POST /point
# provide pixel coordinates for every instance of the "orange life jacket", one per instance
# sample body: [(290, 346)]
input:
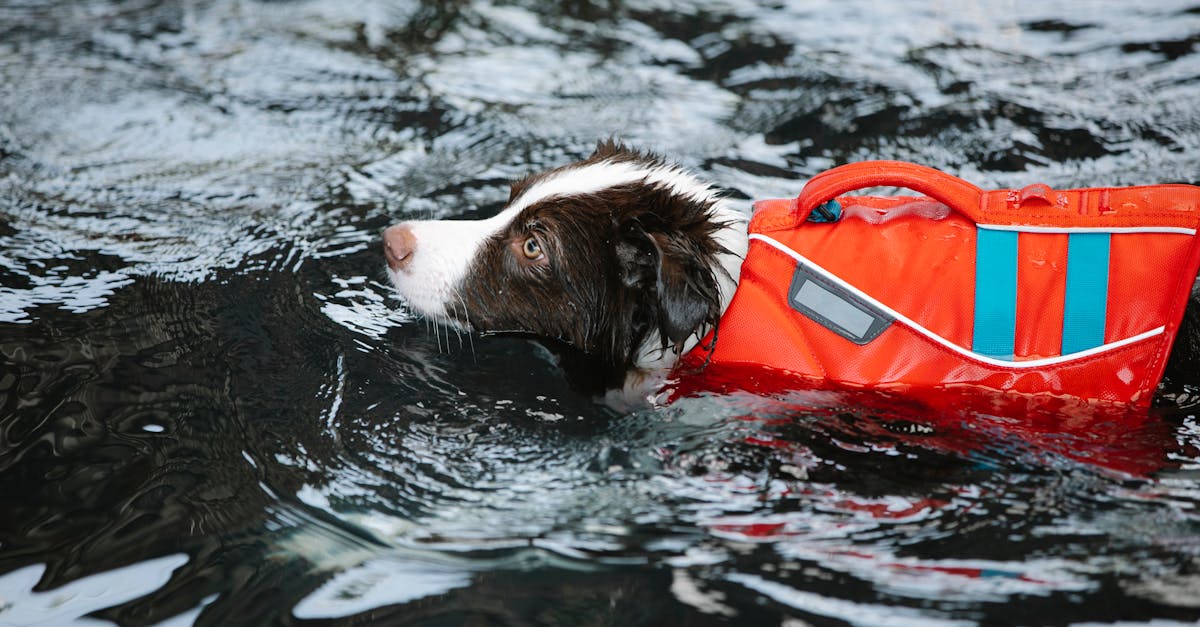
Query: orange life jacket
[(1076, 292)]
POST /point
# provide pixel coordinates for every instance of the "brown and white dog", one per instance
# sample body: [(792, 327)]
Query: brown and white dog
[(621, 263)]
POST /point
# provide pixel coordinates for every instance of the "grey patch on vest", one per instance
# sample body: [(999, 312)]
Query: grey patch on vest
[(835, 308)]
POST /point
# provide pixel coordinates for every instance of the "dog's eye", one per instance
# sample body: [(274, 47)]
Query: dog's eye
[(532, 249)]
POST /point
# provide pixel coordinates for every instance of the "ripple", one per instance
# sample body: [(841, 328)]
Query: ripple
[(201, 353)]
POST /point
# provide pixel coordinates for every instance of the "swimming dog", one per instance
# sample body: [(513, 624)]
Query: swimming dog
[(621, 263)]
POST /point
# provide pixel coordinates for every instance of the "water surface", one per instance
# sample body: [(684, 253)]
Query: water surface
[(214, 411)]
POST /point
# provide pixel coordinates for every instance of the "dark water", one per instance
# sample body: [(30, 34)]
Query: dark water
[(212, 409)]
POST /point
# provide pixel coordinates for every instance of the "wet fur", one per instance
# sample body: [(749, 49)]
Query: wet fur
[(624, 266)]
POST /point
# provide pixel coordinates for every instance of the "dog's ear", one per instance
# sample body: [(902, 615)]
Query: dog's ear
[(637, 256), (687, 289), (673, 274)]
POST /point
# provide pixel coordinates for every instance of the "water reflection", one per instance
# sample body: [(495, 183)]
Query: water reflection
[(86, 595), (213, 410)]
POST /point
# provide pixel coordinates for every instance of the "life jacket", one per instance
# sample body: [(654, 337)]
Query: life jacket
[(1075, 292)]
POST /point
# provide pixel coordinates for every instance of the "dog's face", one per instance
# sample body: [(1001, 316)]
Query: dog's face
[(621, 256)]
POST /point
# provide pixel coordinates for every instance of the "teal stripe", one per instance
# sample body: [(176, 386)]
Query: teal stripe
[(1086, 304), (995, 293)]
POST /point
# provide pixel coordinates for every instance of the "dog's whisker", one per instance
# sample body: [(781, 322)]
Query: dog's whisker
[(457, 332), (467, 317)]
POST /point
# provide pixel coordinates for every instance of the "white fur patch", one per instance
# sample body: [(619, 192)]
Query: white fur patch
[(444, 252), (595, 177)]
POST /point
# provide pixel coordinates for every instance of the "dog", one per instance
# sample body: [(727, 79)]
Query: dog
[(620, 263)]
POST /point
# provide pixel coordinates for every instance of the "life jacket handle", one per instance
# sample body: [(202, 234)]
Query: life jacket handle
[(949, 190)]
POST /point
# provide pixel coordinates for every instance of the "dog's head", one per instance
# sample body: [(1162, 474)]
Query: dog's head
[(622, 257)]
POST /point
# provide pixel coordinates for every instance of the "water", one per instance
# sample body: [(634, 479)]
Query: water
[(215, 412)]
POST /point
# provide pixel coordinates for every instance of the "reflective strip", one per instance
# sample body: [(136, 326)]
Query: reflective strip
[(1177, 230), (834, 308), (995, 328), (1086, 303)]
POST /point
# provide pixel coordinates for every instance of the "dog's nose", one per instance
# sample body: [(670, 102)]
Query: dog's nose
[(399, 244)]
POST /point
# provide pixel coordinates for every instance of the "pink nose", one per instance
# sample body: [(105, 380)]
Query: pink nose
[(399, 244)]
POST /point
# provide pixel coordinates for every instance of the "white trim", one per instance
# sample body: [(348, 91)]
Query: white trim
[(910, 323), (1088, 229)]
